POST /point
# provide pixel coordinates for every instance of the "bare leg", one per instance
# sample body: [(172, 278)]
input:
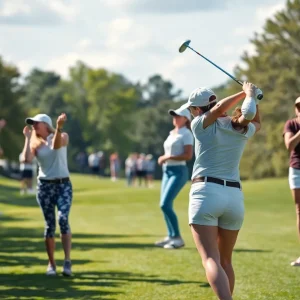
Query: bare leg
[(205, 238), (50, 247), (66, 243), (296, 197), (226, 242)]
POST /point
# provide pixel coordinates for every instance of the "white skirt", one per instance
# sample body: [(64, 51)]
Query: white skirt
[(294, 178)]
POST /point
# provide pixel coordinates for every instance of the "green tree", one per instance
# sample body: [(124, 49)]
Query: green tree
[(11, 111)]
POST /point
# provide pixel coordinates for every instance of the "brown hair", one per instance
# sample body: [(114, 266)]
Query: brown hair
[(207, 107), (36, 141), (188, 124), (234, 120)]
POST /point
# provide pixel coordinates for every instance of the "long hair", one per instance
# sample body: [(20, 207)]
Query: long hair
[(37, 141), (188, 124), (234, 120)]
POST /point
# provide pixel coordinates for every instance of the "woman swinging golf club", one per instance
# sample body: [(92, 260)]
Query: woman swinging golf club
[(216, 207), (54, 187)]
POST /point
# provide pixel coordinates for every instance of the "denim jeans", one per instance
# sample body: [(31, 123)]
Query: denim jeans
[(174, 179)]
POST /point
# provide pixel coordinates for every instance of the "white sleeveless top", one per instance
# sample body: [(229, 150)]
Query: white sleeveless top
[(52, 162)]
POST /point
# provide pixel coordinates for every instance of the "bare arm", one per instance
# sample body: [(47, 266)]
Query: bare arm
[(186, 155), (222, 107), (291, 140), (27, 153), (60, 139)]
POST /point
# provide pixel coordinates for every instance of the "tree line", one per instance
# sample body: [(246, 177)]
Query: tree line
[(108, 112)]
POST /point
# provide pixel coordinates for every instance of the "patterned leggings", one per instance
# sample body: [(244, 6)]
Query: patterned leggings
[(50, 195)]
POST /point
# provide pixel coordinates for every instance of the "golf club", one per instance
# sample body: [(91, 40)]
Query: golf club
[(186, 44)]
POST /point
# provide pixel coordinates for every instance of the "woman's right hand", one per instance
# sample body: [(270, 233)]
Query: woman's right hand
[(27, 132), (249, 89)]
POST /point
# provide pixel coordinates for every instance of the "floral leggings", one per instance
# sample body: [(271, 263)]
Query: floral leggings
[(50, 195)]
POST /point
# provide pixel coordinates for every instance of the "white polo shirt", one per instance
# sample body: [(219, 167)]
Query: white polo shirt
[(174, 145), (219, 148)]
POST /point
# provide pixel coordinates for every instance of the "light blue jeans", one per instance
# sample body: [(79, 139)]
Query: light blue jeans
[(174, 179)]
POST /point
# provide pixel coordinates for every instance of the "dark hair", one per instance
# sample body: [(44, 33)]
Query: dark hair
[(188, 124), (207, 107)]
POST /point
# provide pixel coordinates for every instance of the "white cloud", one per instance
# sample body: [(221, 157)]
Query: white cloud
[(110, 61), (268, 11), (69, 12), (36, 12), (84, 44), (24, 66), (10, 8), (125, 34), (166, 6)]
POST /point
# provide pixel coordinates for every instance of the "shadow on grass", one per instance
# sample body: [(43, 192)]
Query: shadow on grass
[(238, 250), (10, 196), (80, 286)]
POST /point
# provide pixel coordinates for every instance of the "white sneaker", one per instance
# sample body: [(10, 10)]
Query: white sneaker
[(163, 242), (67, 268), (51, 271), (174, 244), (296, 263)]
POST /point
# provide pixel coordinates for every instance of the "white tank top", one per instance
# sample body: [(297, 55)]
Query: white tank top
[(52, 162)]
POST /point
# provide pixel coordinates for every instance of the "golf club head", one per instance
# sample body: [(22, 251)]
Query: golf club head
[(184, 45)]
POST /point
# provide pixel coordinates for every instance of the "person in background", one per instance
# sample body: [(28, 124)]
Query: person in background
[(114, 166), (26, 169), (130, 168), (141, 169), (291, 134), (150, 168), (178, 149), (94, 163), (82, 161), (54, 187)]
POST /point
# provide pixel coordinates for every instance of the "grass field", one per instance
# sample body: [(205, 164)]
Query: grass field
[(114, 228)]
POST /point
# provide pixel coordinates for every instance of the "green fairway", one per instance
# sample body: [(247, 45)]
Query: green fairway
[(114, 228)]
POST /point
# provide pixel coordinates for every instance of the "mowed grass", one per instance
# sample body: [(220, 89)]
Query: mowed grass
[(114, 228)]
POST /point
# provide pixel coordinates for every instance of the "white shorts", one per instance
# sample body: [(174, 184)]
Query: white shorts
[(294, 178), (213, 204)]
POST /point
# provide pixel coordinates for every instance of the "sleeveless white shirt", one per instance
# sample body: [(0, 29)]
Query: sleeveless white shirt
[(52, 162)]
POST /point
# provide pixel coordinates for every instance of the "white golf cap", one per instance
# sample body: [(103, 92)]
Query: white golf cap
[(297, 100), (39, 118), (201, 96), (181, 111)]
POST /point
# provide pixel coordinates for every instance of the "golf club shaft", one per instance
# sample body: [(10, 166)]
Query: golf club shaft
[(236, 80)]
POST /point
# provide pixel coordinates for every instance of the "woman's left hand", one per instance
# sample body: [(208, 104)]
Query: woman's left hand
[(162, 159), (61, 120)]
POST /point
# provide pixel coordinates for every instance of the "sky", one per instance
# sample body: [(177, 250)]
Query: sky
[(137, 38)]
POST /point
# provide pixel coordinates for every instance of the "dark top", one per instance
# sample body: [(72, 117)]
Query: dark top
[(293, 126)]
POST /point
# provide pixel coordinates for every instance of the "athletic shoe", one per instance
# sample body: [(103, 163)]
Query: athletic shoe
[(296, 263), (162, 242), (174, 243), (51, 271), (67, 268)]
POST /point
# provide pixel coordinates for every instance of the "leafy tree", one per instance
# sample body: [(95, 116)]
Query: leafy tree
[(11, 110)]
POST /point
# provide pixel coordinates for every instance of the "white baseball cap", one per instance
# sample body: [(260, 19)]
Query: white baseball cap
[(201, 96), (39, 118), (297, 100), (181, 111)]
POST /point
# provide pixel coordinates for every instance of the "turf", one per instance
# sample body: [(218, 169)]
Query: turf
[(114, 228)]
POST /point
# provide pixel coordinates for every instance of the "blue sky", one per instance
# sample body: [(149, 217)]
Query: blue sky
[(137, 38)]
